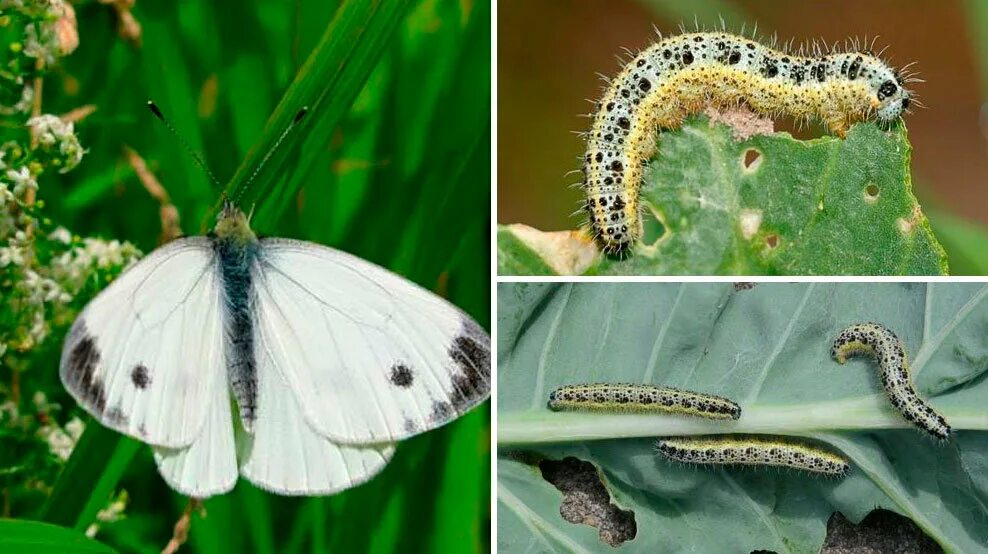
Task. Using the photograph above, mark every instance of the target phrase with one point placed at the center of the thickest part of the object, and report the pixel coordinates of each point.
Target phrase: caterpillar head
(893, 99)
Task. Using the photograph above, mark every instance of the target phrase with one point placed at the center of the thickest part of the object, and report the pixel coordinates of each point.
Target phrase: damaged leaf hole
(587, 501)
(750, 220)
(880, 531)
(751, 160)
(772, 241)
(871, 193)
(653, 229)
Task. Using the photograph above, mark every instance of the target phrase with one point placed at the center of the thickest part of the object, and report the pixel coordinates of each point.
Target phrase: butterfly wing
(208, 466)
(145, 357)
(369, 356)
(285, 455)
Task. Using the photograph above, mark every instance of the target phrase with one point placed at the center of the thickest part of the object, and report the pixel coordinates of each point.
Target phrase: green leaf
(34, 537)
(768, 348)
(826, 206)
(84, 487)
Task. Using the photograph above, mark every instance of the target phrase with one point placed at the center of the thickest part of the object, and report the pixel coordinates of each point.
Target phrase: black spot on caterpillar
(602, 397)
(878, 341)
(753, 451)
(680, 75)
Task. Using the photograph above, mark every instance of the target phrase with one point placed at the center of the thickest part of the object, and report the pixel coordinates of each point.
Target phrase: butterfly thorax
(234, 226)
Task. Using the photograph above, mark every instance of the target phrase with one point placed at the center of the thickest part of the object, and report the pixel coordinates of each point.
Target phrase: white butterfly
(330, 360)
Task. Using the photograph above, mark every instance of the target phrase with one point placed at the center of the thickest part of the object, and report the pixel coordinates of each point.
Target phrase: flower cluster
(57, 144)
(46, 272)
(37, 32)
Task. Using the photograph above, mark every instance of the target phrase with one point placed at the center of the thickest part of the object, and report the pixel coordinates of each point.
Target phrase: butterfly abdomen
(236, 259)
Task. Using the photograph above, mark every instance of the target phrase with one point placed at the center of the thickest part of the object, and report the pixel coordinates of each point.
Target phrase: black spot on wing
(140, 376)
(441, 411)
(116, 416)
(401, 375)
(80, 370)
(471, 352)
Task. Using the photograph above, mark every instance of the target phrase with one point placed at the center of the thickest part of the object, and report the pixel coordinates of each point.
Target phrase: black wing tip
(470, 352)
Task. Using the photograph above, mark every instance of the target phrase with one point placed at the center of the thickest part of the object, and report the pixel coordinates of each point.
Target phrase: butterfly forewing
(145, 357)
(369, 356)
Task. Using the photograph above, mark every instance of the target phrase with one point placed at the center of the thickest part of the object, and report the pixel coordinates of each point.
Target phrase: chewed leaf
(814, 437)
(774, 205)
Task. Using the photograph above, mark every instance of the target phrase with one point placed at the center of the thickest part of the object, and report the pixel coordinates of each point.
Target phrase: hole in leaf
(882, 530)
(871, 192)
(586, 500)
(751, 160)
(652, 227)
(772, 241)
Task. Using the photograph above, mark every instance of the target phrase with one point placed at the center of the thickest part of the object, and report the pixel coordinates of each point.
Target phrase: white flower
(60, 234)
(22, 181)
(9, 409)
(75, 427)
(12, 254)
(71, 269)
(47, 128)
(39, 327)
(59, 442)
(113, 512)
(6, 197)
(23, 105)
(51, 130)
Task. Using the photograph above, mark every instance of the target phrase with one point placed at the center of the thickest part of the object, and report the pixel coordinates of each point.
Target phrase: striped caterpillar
(876, 340)
(680, 75)
(754, 451)
(603, 397)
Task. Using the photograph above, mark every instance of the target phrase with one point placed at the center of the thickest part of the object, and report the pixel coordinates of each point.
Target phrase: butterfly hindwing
(369, 356)
(208, 466)
(285, 455)
(146, 355)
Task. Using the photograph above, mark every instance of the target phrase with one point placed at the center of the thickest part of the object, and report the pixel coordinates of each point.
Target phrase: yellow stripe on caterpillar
(680, 75)
(753, 451)
(877, 341)
(603, 397)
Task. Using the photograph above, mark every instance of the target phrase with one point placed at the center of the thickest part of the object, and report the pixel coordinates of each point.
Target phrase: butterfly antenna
(188, 148)
(277, 144)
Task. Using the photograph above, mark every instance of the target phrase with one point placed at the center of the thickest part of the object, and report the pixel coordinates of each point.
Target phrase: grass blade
(87, 481)
(327, 84)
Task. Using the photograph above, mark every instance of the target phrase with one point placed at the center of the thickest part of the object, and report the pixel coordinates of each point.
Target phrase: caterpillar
(603, 397)
(753, 451)
(680, 75)
(878, 341)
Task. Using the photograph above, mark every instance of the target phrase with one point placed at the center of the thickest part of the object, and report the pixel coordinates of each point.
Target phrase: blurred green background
(551, 55)
(392, 164)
